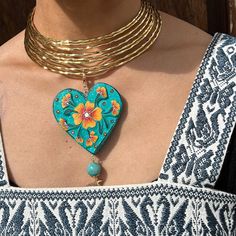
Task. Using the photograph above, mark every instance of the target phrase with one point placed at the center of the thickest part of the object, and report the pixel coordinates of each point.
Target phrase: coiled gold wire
(94, 56)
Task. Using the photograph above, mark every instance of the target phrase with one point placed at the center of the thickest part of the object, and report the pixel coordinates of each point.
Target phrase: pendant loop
(85, 85)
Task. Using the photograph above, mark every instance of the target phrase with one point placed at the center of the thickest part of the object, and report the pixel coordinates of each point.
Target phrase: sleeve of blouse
(227, 179)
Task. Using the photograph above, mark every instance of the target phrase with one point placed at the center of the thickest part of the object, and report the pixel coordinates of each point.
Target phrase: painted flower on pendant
(102, 91)
(87, 115)
(92, 139)
(79, 140)
(63, 124)
(65, 100)
(115, 107)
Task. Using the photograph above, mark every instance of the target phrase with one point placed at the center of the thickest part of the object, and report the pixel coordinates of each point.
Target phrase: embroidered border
(125, 191)
(181, 165)
(197, 150)
(3, 171)
(151, 209)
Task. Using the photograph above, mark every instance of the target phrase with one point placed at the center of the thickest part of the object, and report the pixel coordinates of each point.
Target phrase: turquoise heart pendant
(88, 120)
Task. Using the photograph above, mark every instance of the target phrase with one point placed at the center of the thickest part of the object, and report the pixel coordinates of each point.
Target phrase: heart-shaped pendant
(88, 120)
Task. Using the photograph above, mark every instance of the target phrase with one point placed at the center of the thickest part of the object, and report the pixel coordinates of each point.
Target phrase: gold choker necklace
(92, 57)
(90, 117)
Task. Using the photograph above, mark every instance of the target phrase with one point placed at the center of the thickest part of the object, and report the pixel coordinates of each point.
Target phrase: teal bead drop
(94, 169)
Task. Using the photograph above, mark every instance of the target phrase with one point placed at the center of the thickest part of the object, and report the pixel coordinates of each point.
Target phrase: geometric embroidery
(198, 148)
(142, 209)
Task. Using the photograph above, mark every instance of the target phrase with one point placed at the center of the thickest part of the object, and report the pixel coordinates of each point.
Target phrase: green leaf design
(68, 112)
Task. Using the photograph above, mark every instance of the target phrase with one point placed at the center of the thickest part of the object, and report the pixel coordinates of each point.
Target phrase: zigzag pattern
(111, 192)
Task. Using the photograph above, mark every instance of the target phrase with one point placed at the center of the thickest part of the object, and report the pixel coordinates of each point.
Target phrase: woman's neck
(76, 19)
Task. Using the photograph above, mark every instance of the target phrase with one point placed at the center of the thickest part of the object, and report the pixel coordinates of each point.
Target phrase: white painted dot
(86, 114)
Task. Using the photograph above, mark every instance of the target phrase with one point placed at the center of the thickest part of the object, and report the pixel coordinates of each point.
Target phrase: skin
(154, 88)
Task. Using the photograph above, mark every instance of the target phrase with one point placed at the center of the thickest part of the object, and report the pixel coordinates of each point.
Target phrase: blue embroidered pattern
(177, 204)
(143, 209)
(197, 150)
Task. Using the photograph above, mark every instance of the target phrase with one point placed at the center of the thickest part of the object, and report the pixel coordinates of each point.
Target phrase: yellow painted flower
(87, 115)
(115, 107)
(65, 100)
(79, 140)
(63, 124)
(92, 139)
(102, 91)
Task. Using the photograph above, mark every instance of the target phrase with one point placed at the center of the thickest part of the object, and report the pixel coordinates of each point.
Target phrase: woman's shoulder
(180, 33)
(179, 49)
(12, 51)
(13, 64)
(13, 58)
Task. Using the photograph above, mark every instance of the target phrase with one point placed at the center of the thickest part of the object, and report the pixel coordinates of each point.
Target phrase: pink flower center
(86, 114)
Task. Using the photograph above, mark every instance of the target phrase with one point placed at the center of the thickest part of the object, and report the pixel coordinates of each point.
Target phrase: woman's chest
(40, 153)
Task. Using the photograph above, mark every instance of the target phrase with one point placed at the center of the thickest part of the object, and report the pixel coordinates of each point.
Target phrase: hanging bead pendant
(94, 169)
